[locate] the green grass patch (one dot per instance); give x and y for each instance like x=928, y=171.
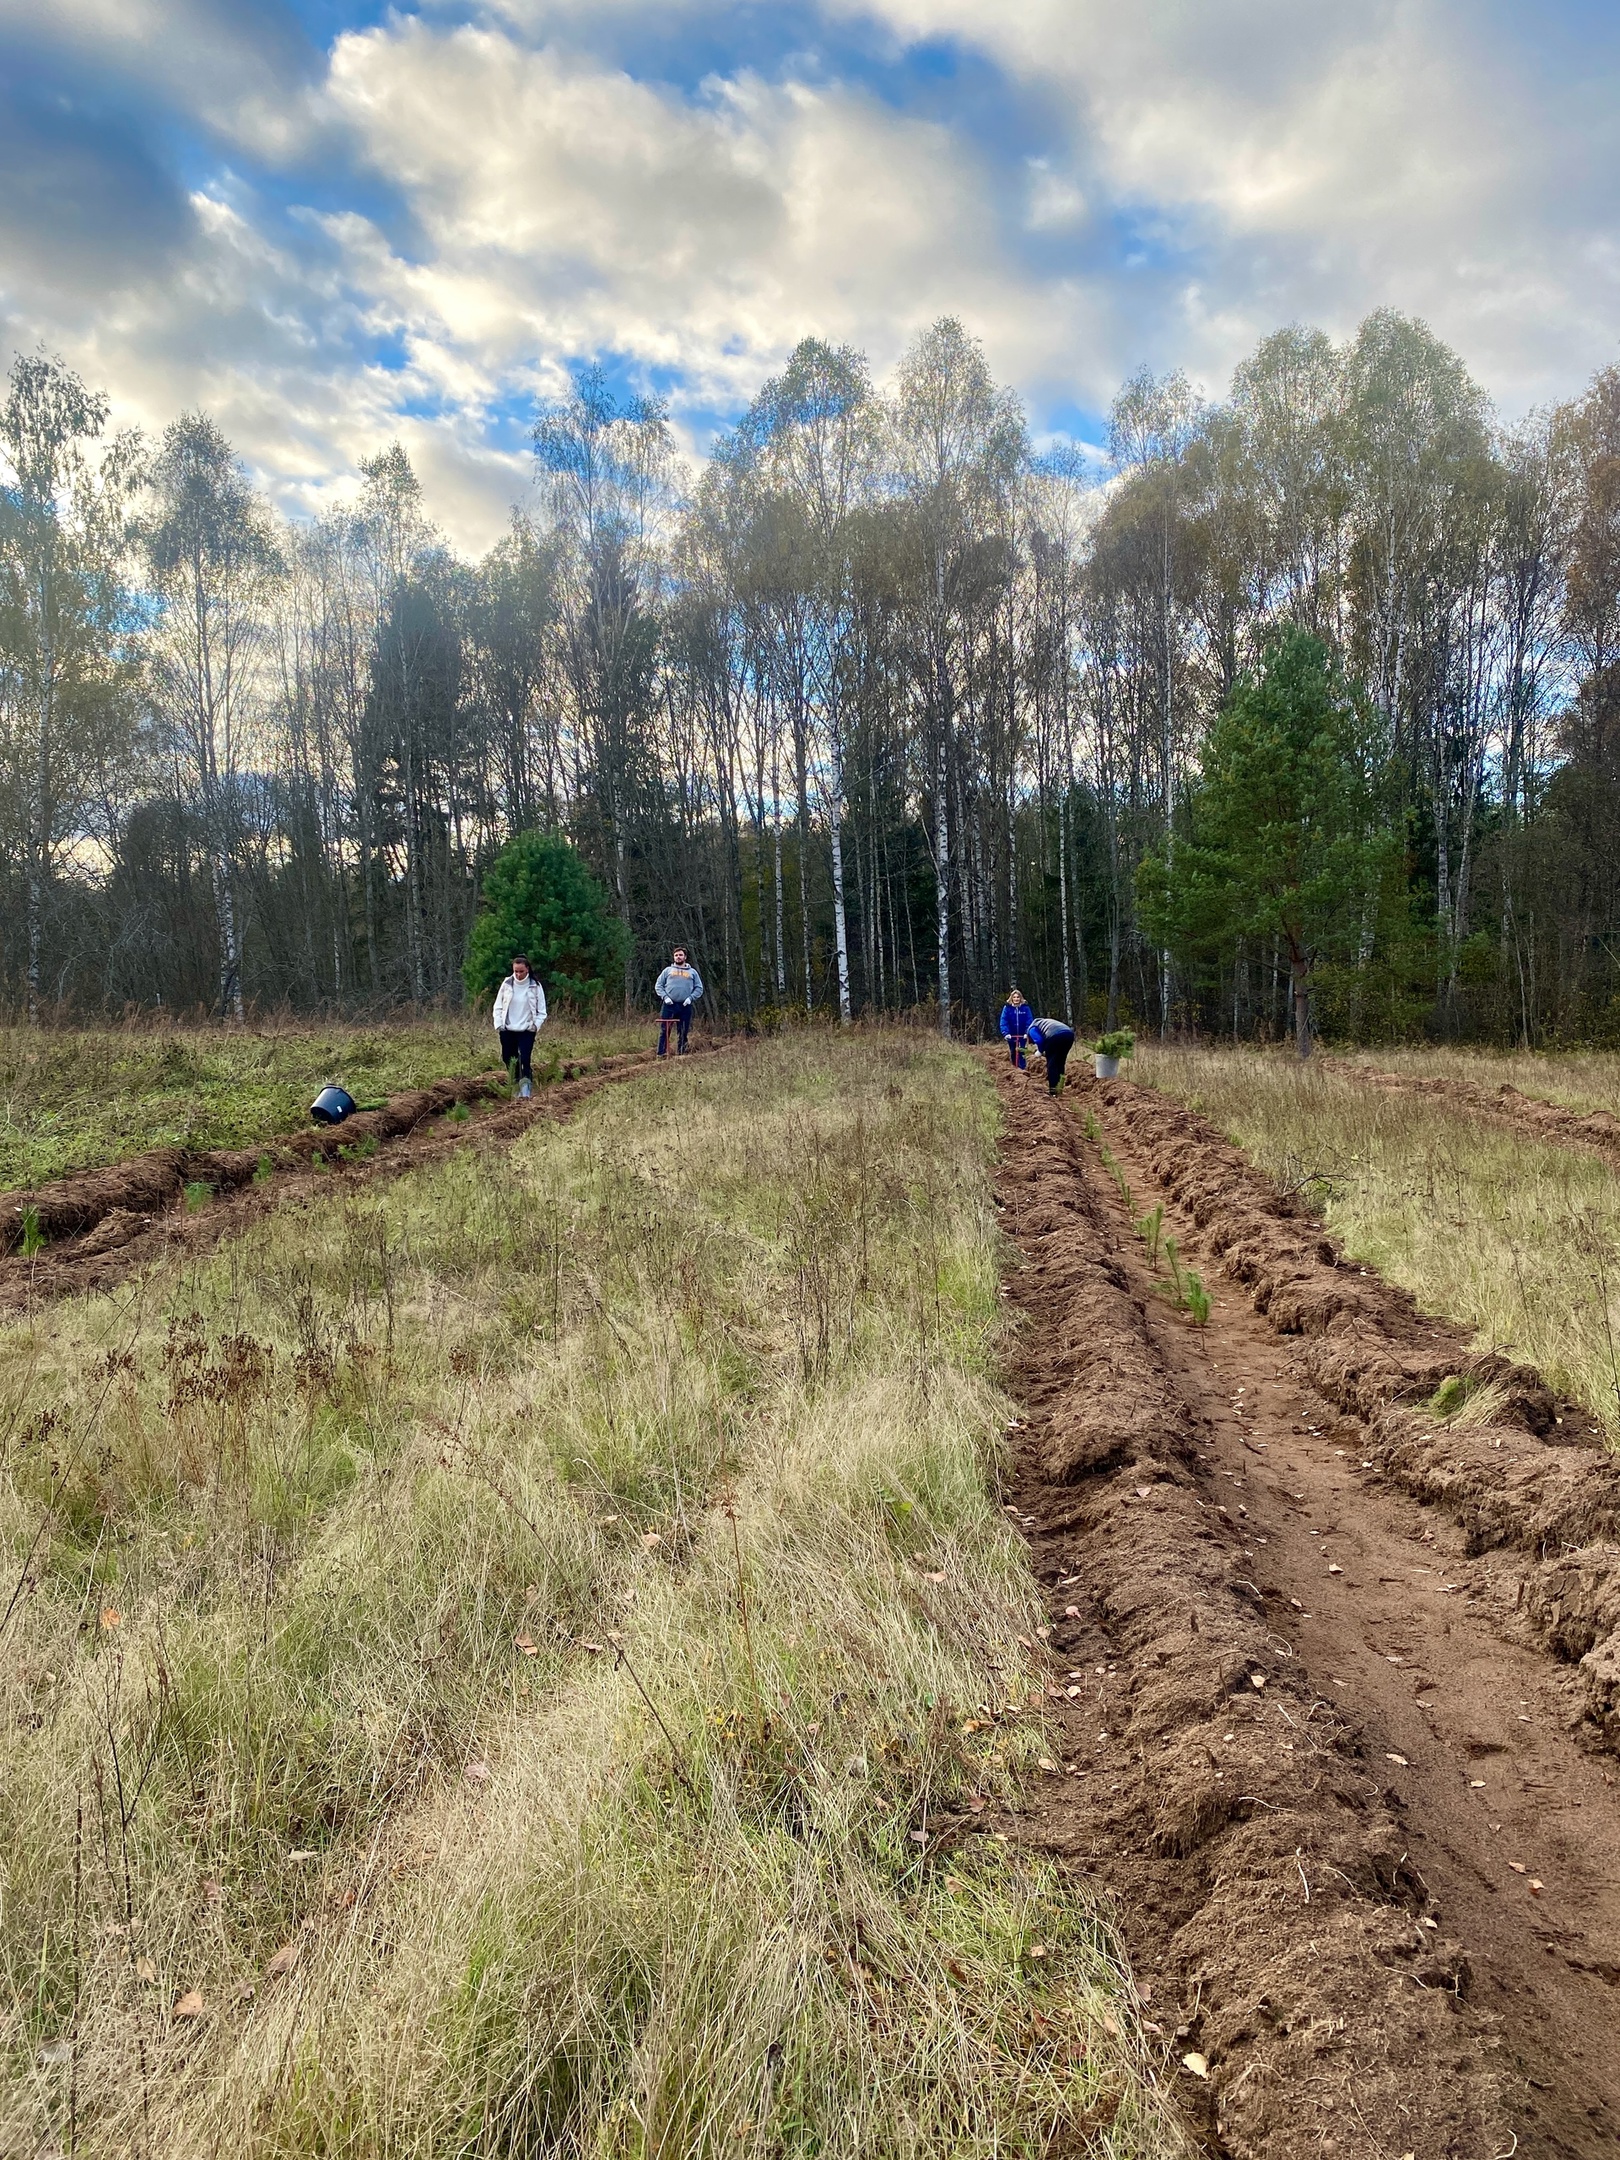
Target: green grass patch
x=71, y=1099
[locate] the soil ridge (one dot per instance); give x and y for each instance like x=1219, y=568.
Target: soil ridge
x=1531, y=1116
x=1285, y=1949
x=1531, y=1474
x=115, y=1220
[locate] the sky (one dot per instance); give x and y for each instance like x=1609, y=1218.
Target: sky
x=333, y=223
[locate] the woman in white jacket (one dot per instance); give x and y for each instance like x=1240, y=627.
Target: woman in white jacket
x=520, y=1014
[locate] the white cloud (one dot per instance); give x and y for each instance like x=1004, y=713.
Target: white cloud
x=567, y=203
x=477, y=204
x=1322, y=162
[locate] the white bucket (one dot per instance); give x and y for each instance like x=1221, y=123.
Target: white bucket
x=1106, y=1068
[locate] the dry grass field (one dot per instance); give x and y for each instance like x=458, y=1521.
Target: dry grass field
x=75, y=1098
x=1516, y=1237
x=482, y=1658
x=1579, y=1079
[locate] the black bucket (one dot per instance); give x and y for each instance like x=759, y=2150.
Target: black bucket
x=331, y=1106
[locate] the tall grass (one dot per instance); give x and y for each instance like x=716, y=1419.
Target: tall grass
x=71, y=1099
x=486, y=1664
x=1519, y=1239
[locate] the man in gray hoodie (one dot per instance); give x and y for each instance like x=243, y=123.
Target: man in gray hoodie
x=678, y=989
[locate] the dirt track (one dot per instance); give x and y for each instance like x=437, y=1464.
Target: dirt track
x=1530, y=1116
x=1326, y=1670
x=104, y=1223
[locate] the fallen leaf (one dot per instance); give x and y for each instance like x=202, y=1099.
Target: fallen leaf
x=527, y=1644
x=1144, y=1492
x=935, y=1577
x=283, y=1961
x=245, y=1991
x=477, y=1773
x=111, y=1617
x=1518, y=1867
x=1401, y=1759
x=651, y=1540
x=1536, y=1886
x=190, y=2005
x=1257, y=1679
x=1196, y=2063
x=606, y=1519
x=1046, y=1763
x=1334, y=1568
x=595, y=1647
x=304, y=1852
x=1037, y=1950
x=919, y=1837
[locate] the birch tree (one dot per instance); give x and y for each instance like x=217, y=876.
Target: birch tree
x=66, y=679
x=213, y=560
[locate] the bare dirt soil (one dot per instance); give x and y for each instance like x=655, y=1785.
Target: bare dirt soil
x=1530, y=1116
x=1331, y=1734
x=101, y=1224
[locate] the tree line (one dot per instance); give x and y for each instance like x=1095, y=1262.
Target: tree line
x=879, y=710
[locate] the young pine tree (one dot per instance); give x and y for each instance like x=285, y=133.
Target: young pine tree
x=540, y=899
x=1289, y=836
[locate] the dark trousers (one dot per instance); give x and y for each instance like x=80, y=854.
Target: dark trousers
x=518, y=1043
x=680, y=1018
x=1015, y=1050
x=1055, y=1049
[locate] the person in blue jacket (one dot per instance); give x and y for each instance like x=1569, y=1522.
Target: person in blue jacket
x=1015, y=1023
x=1053, y=1040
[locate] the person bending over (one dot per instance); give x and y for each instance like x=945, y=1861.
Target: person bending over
x=1015, y=1025
x=520, y=1014
x=678, y=989
x=1052, y=1040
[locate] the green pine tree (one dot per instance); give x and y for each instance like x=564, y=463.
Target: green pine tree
x=1288, y=834
x=540, y=899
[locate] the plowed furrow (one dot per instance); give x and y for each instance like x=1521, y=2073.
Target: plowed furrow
x=103, y=1224
x=1212, y=1780
x=1450, y=1589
